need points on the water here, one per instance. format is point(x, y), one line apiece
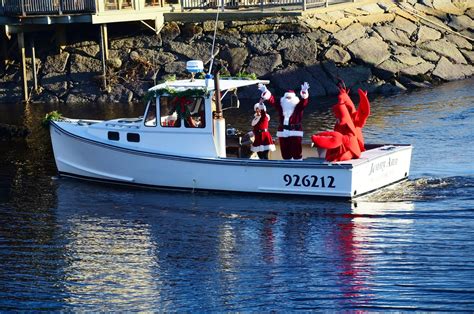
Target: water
point(72, 245)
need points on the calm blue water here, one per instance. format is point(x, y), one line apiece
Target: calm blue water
point(72, 245)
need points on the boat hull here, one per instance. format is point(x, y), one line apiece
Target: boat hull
point(85, 158)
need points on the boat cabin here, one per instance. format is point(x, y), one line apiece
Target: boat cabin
point(187, 117)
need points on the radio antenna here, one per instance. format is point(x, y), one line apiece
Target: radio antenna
point(214, 37)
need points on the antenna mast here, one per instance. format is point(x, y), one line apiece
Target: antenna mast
point(214, 37)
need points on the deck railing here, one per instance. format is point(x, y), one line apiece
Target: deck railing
point(262, 4)
point(58, 7)
point(46, 7)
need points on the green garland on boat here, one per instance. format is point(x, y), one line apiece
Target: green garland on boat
point(51, 116)
point(197, 92)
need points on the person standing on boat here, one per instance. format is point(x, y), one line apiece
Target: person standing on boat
point(263, 142)
point(290, 111)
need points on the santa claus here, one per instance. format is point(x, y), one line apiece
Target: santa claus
point(263, 142)
point(290, 111)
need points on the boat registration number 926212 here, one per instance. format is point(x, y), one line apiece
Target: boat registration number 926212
point(309, 181)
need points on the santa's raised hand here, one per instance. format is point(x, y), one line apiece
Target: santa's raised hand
point(304, 90)
point(265, 92)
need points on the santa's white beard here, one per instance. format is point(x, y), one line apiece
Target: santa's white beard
point(288, 106)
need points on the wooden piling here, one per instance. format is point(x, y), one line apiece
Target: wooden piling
point(33, 60)
point(106, 42)
point(21, 47)
point(102, 53)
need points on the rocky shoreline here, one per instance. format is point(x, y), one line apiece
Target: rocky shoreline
point(382, 47)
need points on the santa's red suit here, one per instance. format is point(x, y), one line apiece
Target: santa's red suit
point(263, 141)
point(346, 141)
point(290, 112)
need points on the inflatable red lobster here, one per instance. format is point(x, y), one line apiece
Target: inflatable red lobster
point(346, 141)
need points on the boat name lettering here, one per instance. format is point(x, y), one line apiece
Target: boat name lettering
point(309, 181)
point(381, 165)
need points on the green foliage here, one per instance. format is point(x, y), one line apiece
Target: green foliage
point(168, 78)
point(51, 116)
point(224, 72)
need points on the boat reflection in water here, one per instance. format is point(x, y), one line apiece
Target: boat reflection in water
point(171, 251)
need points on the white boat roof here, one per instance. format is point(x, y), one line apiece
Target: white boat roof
point(224, 84)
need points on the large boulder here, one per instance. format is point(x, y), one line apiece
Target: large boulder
point(426, 54)
point(409, 59)
point(122, 43)
point(388, 69)
point(418, 69)
point(235, 58)
point(230, 39)
point(177, 68)
point(170, 31)
point(390, 34)
point(292, 77)
point(323, 81)
point(446, 70)
point(427, 34)
point(404, 25)
point(210, 25)
point(163, 58)
point(55, 83)
point(84, 68)
point(86, 48)
point(372, 8)
point(447, 6)
point(369, 20)
point(262, 43)
point(299, 50)
point(445, 48)
point(337, 54)
point(370, 50)
point(190, 31)
point(461, 22)
point(56, 63)
point(350, 75)
point(459, 41)
point(195, 51)
point(469, 55)
point(351, 33)
point(264, 65)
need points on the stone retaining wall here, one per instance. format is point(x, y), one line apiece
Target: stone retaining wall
point(382, 47)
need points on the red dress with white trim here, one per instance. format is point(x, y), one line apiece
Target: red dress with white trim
point(263, 139)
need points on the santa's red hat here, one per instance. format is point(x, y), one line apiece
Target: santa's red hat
point(259, 106)
point(290, 93)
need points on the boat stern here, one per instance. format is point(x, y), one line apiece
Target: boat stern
point(380, 167)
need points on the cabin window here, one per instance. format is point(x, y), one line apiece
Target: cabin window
point(177, 110)
point(150, 119)
point(133, 137)
point(113, 136)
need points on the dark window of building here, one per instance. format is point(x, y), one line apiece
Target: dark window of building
point(113, 136)
point(133, 137)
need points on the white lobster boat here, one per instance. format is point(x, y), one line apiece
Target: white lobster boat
point(193, 150)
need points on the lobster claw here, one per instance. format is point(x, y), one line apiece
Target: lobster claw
point(327, 139)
